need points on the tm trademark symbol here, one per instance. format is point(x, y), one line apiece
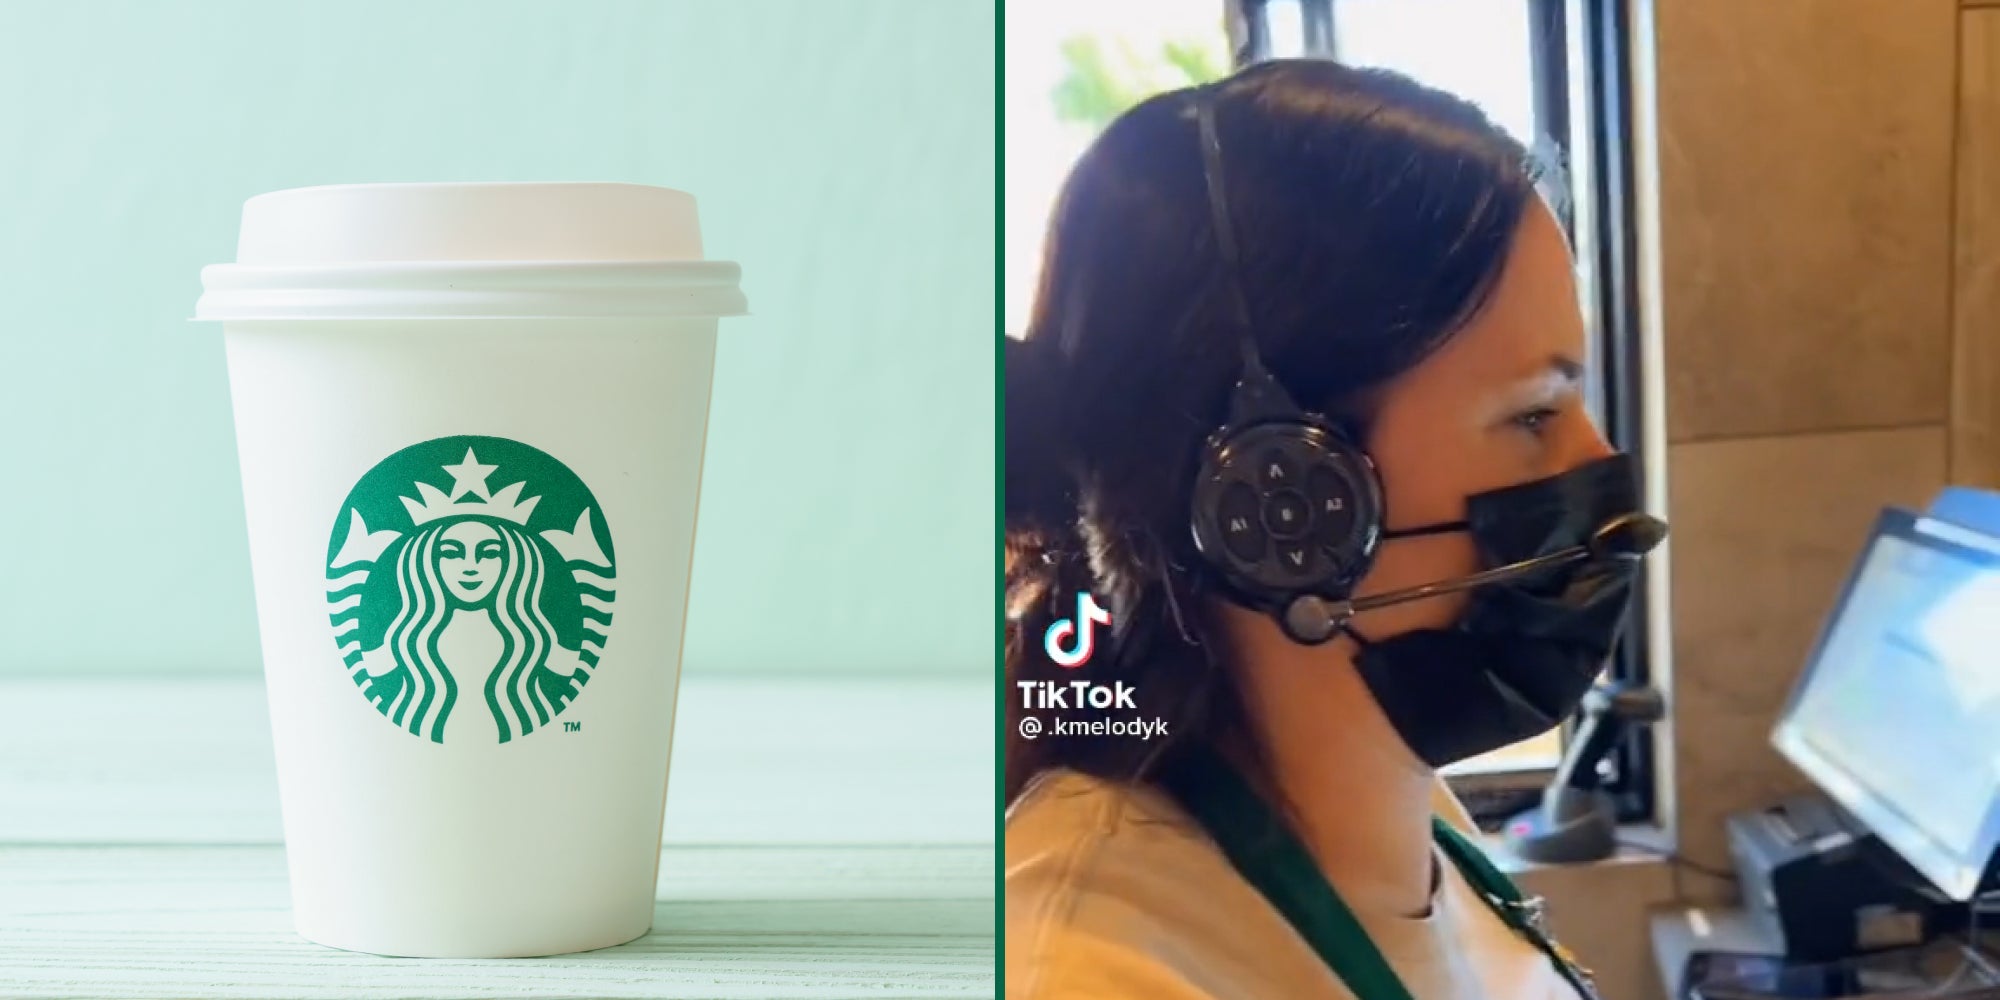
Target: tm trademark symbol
point(571, 727)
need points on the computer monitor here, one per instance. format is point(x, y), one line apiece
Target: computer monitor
point(1969, 506)
point(1897, 716)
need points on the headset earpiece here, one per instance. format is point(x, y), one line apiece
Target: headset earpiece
point(1284, 506)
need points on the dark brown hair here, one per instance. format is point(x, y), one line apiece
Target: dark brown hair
point(1372, 215)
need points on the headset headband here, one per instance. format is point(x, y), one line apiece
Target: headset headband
point(1225, 231)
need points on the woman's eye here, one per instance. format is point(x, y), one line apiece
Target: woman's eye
point(1535, 421)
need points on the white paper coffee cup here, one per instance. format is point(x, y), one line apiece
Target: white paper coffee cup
point(470, 420)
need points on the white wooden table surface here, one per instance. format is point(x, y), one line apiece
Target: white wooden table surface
point(824, 839)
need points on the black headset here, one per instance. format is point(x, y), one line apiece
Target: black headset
point(1287, 508)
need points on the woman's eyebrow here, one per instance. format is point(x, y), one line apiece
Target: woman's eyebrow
point(1559, 374)
point(1568, 368)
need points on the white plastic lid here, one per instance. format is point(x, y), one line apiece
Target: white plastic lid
point(411, 251)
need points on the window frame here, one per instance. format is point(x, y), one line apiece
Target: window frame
point(1582, 86)
point(1605, 33)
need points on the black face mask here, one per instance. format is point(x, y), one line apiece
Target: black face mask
point(1527, 650)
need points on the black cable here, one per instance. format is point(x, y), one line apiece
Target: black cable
point(1680, 861)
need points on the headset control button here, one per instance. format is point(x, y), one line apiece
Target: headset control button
point(1276, 470)
point(1298, 559)
point(1337, 566)
point(1333, 508)
point(1287, 514)
point(1242, 531)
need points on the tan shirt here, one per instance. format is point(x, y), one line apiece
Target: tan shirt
point(1115, 892)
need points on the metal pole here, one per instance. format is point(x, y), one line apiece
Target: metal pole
point(1320, 40)
point(1249, 31)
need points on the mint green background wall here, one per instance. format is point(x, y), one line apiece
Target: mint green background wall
point(842, 150)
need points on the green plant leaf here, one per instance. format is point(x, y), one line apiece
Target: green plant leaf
point(1104, 80)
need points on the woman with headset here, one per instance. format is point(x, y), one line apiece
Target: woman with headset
point(1299, 408)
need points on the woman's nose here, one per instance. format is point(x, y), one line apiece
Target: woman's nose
point(1597, 447)
point(1590, 444)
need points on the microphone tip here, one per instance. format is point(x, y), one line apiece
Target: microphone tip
point(1627, 536)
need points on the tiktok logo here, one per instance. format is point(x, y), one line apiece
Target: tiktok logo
point(1080, 632)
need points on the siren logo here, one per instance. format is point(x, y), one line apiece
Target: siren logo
point(1079, 633)
point(464, 607)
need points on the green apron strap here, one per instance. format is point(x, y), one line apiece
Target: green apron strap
point(1521, 912)
point(1273, 861)
point(1268, 856)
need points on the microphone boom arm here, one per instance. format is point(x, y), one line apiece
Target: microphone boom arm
point(1483, 577)
point(1310, 618)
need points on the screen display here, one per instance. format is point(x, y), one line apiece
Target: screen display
point(1903, 700)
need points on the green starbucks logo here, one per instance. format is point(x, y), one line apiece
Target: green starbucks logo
point(456, 603)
